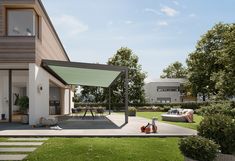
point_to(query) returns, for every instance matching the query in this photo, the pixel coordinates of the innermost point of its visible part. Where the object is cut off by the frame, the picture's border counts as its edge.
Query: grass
(108, 149)
(150, 115)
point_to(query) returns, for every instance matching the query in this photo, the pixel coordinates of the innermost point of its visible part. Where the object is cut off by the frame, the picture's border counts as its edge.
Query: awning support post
(109, 100)
(126, 95)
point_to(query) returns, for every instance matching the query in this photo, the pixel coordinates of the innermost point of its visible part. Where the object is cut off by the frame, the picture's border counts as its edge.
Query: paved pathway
(8, 148)
(110, 126)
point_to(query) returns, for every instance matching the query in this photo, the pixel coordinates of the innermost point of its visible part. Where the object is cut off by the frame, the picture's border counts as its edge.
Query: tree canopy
(123, 57)
(211, 66)
(175, 70)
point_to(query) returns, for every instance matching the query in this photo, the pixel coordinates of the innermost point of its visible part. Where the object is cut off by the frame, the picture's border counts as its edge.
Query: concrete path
(111, 126)
(20, 143)
(17, 149)
(8, 153)
(12, 156)
(28, 139)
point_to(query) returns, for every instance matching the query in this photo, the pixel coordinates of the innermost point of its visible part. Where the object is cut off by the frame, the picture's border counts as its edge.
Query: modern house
(34, 63)
(164, 91)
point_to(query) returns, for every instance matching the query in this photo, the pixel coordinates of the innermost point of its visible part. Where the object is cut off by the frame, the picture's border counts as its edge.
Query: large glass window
(21, 22)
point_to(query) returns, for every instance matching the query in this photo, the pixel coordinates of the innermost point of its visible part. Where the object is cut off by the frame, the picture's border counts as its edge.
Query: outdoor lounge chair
(185, 115)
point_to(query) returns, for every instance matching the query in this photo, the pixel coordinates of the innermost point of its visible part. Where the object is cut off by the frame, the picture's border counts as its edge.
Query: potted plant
(100, 110)
(3, 116)
(23, 102)
(197, 148)
(132, 111)
(221, 129)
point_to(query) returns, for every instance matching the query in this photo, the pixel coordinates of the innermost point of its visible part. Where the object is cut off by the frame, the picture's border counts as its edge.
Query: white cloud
(69, 25)
(152, 11)
(110, 23)
(192, 15)
(128, 22)
(162, 23)
(176, 3)
(169, 11)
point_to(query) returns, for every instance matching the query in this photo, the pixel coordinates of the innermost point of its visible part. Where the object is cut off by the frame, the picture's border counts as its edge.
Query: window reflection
(21, 23)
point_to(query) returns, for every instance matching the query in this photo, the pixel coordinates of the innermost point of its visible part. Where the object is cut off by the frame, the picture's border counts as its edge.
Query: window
(22, 22)
(167, 89)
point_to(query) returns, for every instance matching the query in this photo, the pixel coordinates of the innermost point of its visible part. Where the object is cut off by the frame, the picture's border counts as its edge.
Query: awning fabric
(85, 74)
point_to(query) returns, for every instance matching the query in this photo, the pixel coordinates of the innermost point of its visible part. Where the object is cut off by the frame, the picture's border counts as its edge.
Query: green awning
(74, 73)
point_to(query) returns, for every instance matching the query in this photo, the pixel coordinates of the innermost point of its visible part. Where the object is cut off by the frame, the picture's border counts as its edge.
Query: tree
(97, 92)
(174, 70)
(125, 57)
(211, 65)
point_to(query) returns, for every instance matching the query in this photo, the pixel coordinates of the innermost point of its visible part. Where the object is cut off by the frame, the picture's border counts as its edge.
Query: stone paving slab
(113, 126)
(12, 157)
(20, 143)
(28, 139)
(17, 149)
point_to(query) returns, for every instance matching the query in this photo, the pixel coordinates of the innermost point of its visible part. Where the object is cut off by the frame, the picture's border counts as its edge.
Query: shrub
(166, 108)
(198, 148)
(221, 129)
(132, 109)
(23, 102)
(224, 108)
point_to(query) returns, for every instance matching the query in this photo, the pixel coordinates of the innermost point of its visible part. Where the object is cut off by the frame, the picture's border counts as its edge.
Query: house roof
(169, 80)
(85, 74)
(53, 28)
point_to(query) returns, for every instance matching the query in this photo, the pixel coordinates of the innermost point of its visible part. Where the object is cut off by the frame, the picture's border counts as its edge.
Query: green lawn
(108, 149)
(150, 115)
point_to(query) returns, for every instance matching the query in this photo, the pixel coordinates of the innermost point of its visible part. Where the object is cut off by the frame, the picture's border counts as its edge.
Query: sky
(159, 32)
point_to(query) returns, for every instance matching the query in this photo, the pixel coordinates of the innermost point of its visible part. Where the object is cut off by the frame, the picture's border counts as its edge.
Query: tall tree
(125, 57)
(175, 70)
(92, 94)
(211, 65)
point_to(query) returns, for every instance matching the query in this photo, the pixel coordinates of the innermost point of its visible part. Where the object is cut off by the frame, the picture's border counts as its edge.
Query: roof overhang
(84, 74)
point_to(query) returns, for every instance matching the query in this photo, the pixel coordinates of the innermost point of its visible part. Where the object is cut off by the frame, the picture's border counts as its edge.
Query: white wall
(152, 94)
(66, 101)
(38, 100)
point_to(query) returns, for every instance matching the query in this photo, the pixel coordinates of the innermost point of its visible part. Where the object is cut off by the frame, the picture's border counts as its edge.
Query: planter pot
(25, 119)
(3, 116)
(225, 157)
(188, 159)
(132, 113)
(220, 157)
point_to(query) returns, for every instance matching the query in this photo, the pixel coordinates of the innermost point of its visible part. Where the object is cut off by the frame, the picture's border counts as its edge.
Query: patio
(102, 126)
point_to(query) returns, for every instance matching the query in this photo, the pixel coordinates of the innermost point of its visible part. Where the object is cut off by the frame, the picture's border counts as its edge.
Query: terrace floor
(102, 126)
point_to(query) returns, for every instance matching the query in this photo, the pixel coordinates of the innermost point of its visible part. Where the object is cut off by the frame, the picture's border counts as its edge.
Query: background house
(164, 91)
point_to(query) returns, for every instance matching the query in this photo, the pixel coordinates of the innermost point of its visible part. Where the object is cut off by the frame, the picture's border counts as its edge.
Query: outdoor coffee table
(91, 110)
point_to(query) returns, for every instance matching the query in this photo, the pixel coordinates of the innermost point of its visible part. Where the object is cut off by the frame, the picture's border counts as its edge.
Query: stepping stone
(12, 157)
(28, 139)
(20, 143)
(17, 149)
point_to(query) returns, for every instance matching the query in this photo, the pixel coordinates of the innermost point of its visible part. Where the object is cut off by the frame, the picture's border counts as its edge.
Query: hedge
(150, 107)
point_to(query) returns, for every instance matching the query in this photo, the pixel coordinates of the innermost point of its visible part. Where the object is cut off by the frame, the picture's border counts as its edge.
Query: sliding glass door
(4, 95)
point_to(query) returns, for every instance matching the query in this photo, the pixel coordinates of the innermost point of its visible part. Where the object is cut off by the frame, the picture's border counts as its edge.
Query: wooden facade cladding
(26, 48)
(17, 49)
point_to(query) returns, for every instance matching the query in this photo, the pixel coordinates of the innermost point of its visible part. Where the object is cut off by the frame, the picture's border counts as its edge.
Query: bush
(224, 108)
(198, 148)
(221, 129)
(147, 106)
(132, 111)
(23, 102)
